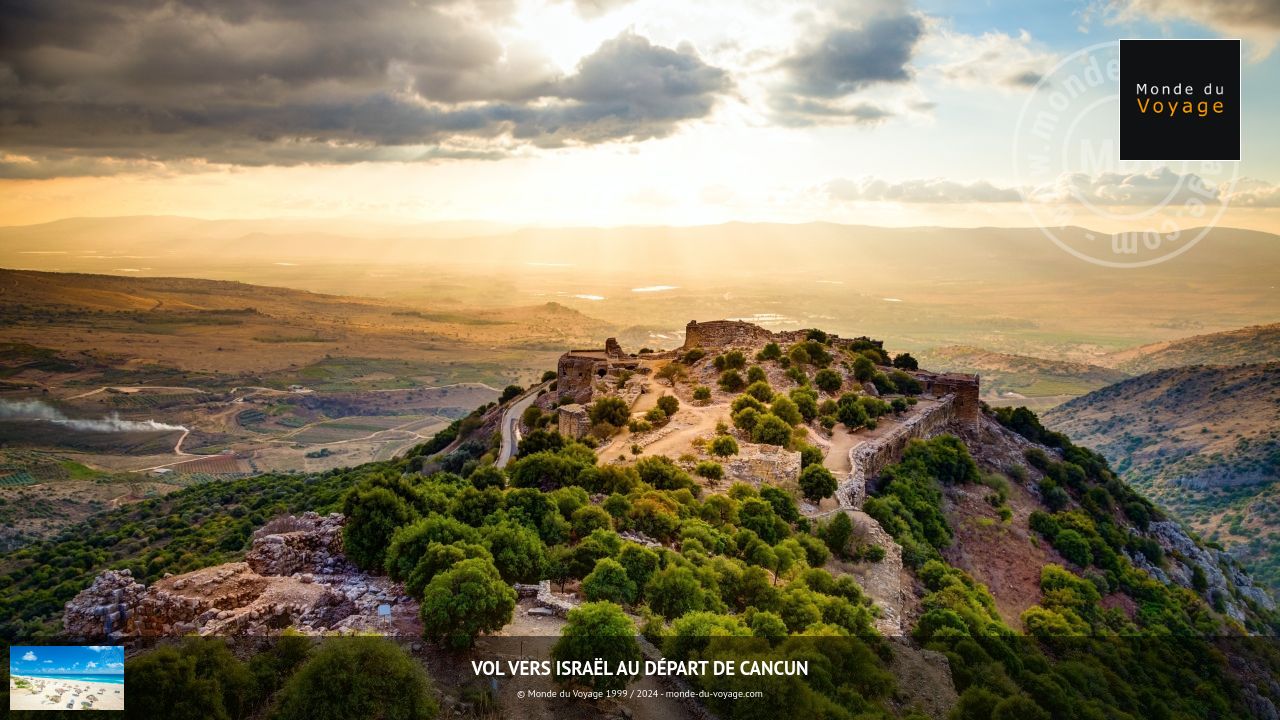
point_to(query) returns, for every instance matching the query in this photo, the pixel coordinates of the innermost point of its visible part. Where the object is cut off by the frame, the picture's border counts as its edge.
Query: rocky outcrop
(1186, 555)
(882, 581)
(294, 575)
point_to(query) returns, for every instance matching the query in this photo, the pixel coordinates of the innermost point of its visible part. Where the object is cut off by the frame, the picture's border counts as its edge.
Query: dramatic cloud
(1251, 193)
(919, 191)
(1256, 14)
(849, 59)
(991, 59)
(1157, 187)
(1254, 20)
(596, 8)
(822, 75)
(93, 87)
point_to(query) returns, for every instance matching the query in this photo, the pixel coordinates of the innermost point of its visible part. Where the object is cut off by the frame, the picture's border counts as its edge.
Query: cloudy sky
(591, 112)
(64, 659)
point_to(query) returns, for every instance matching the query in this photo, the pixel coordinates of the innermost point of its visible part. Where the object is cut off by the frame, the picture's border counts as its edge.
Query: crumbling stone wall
(963, 386)
(572, 421)
(869, 458)
(579, 371)
(716, 334)
(105, 608)
(760, 465)
(293, 545)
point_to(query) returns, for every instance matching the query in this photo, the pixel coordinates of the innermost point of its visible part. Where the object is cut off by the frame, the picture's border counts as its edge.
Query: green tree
(487, 476)
(198, 679)
(904, 361)
(863, 368)
(640, 563)
(770, 351)
(837, 532)
(672, 373)
(662, 473)
(597, 631)
(510, 392)
(828, 381)
(781, 502)
(461, 603)
(785, 408)
(518, 553)
(610, 409)
(1073, 547)
(851, 413)
(731, 381)
(702, 393)
(669, 404)
(692, 633)
(339, 682)
(539, 440)
(709, 470)
(609, 581)
(373, 515)
(675, 591)
(437, 558)
(760, 390)
(806, 402)
(771, 430)
(817, 482)
(589, 518)
(410, 542)
(724, 446)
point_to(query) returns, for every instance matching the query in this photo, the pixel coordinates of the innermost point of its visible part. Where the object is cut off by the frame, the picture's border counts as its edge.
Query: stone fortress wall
(577, 371)
(869, 458)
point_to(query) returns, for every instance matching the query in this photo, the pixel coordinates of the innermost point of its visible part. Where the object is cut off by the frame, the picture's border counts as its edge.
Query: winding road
(511, 420)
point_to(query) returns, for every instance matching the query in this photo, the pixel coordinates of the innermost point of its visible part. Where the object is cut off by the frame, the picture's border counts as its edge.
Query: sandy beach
(55, 694)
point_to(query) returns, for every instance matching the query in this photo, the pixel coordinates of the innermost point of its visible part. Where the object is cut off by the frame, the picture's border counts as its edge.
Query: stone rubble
(294, 575)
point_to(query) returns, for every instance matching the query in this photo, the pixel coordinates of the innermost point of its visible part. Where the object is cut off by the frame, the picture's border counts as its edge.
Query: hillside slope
(1201, 440)
(1254, 344)
(230, 327)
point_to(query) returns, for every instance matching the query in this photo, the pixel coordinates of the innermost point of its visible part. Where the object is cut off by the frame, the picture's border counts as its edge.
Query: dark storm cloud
(849, 59)
(844, 61)
(85, 84)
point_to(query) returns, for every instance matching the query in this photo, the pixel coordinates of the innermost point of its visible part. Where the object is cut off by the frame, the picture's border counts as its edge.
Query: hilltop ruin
(581, 375)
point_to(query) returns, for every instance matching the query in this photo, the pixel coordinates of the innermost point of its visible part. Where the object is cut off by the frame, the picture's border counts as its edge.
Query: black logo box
(1188, 64)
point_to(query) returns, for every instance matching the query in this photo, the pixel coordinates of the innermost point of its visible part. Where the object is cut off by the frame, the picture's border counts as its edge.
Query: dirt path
(134, 389)
(837, 457)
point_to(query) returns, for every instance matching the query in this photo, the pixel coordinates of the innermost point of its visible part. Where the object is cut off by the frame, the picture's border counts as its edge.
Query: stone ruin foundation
(294, 575)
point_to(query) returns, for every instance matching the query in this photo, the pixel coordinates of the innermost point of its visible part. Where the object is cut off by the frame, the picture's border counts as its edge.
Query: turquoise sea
(112, 679)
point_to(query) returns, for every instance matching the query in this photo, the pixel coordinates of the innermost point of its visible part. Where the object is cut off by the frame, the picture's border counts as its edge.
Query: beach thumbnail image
(66, 677)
